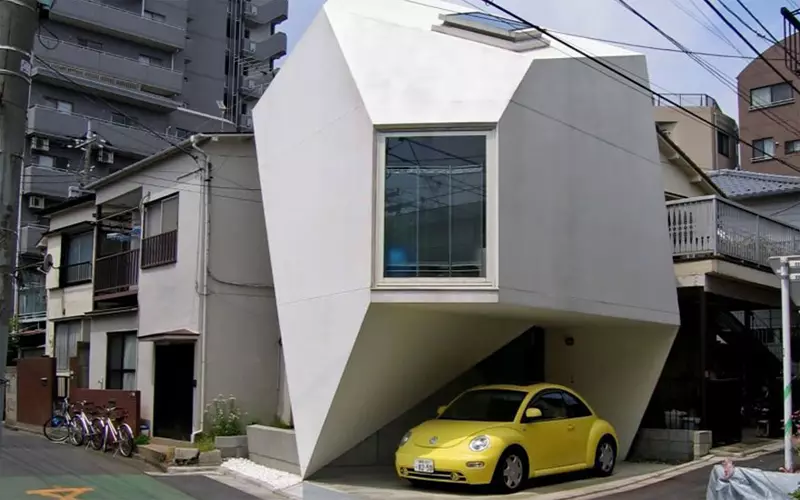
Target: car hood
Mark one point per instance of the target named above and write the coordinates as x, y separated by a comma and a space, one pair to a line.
448, 433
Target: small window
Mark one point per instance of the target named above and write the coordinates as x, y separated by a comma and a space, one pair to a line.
58, 104
161, 217
121, 361
76, 264
66, 343
150, 60
763, 148
770, 95
160, 243
121, 119
551, 404
575, 408
154, 16
90, 44
723, 144
792, 146
45, 161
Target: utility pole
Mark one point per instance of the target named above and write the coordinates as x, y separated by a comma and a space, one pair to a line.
19, 20
87, 146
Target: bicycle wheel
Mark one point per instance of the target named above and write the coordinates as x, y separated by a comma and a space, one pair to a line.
56, 429
77, 436
97, 439
126, 442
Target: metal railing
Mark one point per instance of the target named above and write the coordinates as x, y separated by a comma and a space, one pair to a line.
53, 42
686, 100
160, 249
709, 226
132, 13
32, 303
116, 273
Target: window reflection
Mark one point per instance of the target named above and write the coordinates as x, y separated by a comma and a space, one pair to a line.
435, 207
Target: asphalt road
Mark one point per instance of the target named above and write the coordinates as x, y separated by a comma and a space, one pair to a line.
32, 467
692, 485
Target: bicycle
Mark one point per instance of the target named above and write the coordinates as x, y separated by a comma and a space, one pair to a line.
59, 422
111, 430
80, 427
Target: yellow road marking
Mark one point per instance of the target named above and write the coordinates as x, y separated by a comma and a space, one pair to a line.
61, 493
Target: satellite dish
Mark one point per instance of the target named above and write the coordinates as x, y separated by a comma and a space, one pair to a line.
47, 263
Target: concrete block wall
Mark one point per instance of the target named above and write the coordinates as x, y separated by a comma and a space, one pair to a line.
10, 390
672, 445
273, 447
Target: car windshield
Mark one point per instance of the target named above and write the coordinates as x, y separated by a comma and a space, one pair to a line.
485, 405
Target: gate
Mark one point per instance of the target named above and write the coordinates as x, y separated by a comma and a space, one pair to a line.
36, 386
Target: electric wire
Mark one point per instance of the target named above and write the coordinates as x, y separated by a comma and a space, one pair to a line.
604, 64
757, 20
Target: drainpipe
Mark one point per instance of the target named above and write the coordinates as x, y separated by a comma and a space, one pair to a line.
204, 251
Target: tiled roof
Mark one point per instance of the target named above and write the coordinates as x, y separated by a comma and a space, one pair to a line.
741, 184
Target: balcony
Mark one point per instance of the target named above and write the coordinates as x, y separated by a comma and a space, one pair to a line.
29, 236
268, 49
117, 275
49, 121
75, 274
710, 227
99, 17
160, 249
685, 100
48, 181
32, 304
150, 78
269, 12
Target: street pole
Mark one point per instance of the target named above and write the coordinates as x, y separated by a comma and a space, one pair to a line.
18, 23
786, 327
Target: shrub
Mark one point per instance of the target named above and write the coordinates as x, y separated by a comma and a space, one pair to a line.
223, 417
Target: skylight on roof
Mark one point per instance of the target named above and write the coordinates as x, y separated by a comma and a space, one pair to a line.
493, 30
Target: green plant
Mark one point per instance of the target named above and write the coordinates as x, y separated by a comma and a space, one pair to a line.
795, 494
205, 443
13, 324
142, 440
223, 417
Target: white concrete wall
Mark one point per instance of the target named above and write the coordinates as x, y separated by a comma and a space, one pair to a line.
101, 326
676, 180
615, 367
72, 216
243, 329
572, 166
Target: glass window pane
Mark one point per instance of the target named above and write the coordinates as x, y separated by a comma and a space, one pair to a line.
152, 225
129, 351
781, 92
760, 97
129, 381
435, 206
115, 352
169, 215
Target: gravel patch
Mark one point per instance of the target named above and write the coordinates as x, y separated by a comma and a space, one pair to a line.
274, 479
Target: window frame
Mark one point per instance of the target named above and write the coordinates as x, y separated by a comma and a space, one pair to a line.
121, 371
581, 404
72, 340
535, 399
160, 203
772, 102
723, 137
787, 150
489, 281
67, 240
764, 156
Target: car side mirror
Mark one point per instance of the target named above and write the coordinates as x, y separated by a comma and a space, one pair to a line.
532, 413
440, 410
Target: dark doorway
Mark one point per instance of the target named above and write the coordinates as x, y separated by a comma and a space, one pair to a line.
173, 398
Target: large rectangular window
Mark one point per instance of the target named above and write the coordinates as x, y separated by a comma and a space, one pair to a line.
66, 343
434, 205
160, 243
770, 95
763, 148
121, 361
76, 265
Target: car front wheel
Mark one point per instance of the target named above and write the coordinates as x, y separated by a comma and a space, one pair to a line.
605, 457
511, 472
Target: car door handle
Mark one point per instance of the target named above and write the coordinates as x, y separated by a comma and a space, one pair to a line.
570, 427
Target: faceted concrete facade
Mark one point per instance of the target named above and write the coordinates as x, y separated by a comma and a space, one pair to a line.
576, 238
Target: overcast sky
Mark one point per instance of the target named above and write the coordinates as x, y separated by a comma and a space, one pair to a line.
691, 22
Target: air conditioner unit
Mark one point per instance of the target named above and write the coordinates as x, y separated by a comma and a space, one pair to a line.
251, 84
36, 202
40, 143
104, 156
251, 47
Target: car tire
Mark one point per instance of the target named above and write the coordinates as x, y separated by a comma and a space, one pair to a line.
605, 457
511, 472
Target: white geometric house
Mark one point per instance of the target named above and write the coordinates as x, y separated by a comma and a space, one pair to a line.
436, 183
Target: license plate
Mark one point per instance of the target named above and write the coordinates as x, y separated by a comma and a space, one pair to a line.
423, 465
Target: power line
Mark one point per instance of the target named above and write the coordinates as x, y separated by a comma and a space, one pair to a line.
742, 21
637, 83
758, 21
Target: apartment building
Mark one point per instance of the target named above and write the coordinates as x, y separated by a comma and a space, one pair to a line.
115, 81
711, 149
165, 287
768, 115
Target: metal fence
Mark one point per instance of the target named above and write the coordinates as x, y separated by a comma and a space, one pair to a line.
709, 226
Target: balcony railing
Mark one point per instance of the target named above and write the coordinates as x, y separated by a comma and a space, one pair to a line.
32, 303
160, 249
686, 100
118, 273
709, 226
73, 274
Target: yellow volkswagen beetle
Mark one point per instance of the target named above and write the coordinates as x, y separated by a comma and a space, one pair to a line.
505, 434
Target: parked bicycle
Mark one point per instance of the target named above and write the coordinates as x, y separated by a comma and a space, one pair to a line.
111, 431
80, 428
57, 427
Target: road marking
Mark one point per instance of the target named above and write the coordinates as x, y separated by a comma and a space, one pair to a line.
61, 493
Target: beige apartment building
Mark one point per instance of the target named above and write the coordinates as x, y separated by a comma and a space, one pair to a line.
710, 149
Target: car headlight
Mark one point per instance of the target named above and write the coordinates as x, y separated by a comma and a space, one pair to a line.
405, 438
480, 443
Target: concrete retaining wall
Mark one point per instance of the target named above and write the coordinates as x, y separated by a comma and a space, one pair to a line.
10, 394
273, 447
672, 445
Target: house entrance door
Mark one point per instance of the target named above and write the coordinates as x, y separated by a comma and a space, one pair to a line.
173, 398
